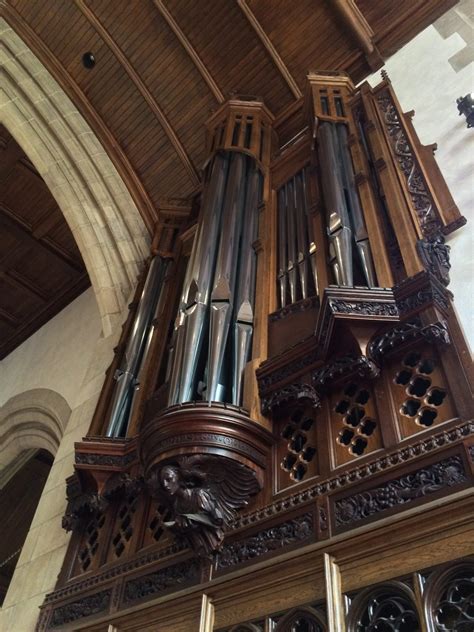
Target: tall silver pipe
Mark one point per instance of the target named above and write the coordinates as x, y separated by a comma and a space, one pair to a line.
301, 234
339, 232
282, 243
222, 296
193, 308
357, 218
310, 228
126, 376
245, 293
290, 226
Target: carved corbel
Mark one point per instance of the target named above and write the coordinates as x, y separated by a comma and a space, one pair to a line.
343, 367
203, 493
292, 394
380, 346
80, 503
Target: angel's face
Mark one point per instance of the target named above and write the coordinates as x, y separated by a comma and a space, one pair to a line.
169, 480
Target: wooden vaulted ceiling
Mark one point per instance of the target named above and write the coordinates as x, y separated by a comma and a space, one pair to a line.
41, 269
162, 67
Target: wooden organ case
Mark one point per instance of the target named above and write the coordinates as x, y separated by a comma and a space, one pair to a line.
284, 438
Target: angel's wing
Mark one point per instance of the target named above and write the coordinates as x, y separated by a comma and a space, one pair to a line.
228, 483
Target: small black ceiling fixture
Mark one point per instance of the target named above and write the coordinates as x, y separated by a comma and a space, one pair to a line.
466, 107
88, 60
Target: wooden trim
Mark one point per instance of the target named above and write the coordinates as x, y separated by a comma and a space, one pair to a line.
165, 12
103, 133
206, 623
277, 60
360, 29
335, 604
141, 87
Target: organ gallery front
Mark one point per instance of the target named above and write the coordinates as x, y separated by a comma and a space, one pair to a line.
283, 442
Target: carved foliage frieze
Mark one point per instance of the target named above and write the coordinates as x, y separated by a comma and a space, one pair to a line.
85, 607
356, 508
265, 541
164, 579
347, 365
292, 394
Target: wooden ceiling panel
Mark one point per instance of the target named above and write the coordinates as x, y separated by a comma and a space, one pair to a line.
313, 39
165, 68
229, 47
41, 269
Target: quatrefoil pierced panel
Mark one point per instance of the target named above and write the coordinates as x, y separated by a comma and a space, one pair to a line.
354, 425
420, 390
297, 447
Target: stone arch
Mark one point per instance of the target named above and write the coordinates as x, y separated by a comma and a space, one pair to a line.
106, 223
34, 419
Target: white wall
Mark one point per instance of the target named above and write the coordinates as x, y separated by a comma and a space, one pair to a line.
425, 81
57, 356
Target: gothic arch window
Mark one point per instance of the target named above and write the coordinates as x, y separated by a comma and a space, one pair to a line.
449, 599
389, 607
302, 620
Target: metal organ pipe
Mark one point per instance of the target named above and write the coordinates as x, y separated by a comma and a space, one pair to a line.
345, 219
245, 294
193, 308
295, 237
222, 296
126, 375
219, 287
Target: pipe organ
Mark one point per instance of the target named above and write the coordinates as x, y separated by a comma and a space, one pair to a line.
291, 377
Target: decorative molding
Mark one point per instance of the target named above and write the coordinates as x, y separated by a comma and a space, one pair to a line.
162, 580
416, 185
342, 367
265, 541
174, 26
85, 607
393, 339
403, 490
292, 394
271, 50
266, 382
204, 438
363, 308
141, 87
356, 475
112, 460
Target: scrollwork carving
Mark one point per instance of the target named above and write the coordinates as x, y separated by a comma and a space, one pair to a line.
161, 580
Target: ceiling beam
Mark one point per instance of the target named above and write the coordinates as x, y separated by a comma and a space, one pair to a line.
18, 280
355, 22
141, 87
277, 60
104, 134
11, 222
190, 50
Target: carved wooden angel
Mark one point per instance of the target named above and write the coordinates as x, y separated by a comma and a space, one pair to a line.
204, 493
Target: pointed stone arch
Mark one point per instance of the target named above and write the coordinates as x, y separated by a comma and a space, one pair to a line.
104, 220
